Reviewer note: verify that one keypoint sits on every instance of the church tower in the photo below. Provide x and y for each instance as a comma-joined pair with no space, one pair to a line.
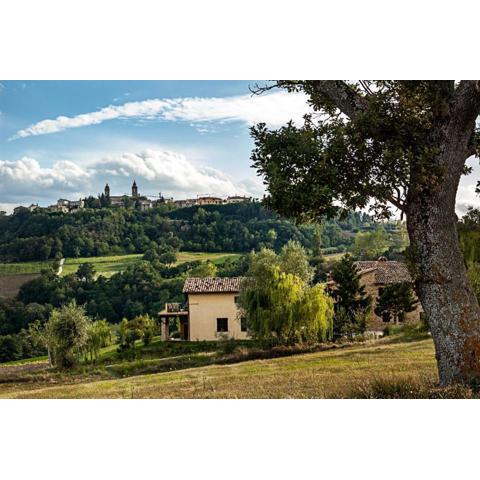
107,190
134,189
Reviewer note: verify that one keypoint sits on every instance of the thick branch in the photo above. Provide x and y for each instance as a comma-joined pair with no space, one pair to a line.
466,106
341,94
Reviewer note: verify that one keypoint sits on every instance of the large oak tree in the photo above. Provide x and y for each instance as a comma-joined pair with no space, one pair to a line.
380,144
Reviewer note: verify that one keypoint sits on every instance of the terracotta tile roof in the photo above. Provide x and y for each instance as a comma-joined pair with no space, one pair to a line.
212,285
385,271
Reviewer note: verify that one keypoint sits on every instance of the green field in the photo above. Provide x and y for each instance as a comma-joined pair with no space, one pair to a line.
21,268
197,370
106,266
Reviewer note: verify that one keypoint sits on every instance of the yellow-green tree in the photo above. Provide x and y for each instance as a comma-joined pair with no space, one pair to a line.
282,307
99,336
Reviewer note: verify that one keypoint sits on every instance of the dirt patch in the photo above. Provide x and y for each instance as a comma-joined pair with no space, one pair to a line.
10,284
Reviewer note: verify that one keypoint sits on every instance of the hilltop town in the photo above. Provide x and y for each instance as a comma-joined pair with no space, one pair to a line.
135,200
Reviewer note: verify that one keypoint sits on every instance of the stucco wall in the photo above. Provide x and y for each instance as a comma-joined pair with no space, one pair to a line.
204,310
376,323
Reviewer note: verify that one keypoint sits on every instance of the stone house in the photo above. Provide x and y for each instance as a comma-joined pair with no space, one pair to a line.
374,276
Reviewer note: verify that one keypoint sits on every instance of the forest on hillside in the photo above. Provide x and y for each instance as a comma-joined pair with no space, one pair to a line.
242,227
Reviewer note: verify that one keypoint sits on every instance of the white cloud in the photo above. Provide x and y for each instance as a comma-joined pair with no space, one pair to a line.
275,109
7,207
466,195
168,172
25,181
28,172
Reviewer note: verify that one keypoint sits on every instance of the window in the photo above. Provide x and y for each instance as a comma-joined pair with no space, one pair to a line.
235,299
243,324
222,324
401,317
386,316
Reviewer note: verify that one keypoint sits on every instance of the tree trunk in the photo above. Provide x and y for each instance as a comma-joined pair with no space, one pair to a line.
442,285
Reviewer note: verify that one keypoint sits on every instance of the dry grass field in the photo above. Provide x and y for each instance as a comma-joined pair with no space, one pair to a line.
346,372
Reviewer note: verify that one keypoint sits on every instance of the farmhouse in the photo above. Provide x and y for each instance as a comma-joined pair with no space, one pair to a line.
374,276
211,313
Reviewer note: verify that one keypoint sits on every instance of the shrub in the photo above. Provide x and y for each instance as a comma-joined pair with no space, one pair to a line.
227,346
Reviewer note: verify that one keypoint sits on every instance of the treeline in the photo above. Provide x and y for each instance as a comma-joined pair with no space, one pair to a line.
241,227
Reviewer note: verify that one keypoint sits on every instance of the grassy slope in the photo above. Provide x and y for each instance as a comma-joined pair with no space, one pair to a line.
106,266
332,373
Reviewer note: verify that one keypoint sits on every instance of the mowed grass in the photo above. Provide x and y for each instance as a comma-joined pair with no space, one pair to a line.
22,268
106,266
335,373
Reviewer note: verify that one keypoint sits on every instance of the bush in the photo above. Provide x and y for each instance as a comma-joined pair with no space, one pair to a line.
413,331
227,346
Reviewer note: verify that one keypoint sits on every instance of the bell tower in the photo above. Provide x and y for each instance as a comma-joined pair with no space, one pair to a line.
107,190
134,189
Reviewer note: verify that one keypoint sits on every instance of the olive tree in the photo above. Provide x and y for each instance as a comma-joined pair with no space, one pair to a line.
386,145
66,334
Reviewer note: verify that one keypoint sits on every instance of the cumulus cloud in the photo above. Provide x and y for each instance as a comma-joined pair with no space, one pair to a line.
25,180
168,172
275,109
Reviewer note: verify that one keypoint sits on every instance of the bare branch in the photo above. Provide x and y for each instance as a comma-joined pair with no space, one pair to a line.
259,89
342,95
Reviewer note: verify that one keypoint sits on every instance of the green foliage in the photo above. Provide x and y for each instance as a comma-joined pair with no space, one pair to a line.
351,301
66,334
18,346
204,269
395,301
98,231
294,260
99,336
474,276
86,272
140,289
370,245
373,138
280,306
141,327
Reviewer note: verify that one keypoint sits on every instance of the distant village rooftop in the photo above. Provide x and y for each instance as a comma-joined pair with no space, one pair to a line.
212,285
136,200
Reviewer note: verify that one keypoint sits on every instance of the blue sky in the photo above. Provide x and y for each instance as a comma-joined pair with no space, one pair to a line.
181,138
66,139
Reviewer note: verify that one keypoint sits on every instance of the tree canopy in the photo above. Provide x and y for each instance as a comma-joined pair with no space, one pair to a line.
281,306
